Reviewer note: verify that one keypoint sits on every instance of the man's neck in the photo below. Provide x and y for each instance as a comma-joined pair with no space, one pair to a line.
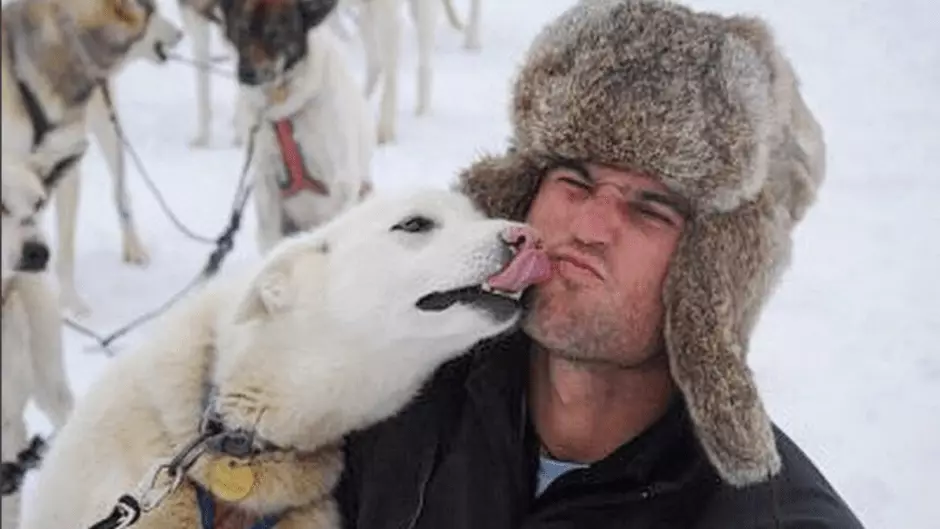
583,412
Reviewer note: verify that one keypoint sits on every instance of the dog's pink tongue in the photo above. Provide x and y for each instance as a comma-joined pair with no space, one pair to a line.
528,267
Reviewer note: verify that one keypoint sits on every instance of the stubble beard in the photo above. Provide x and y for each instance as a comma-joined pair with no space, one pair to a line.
598,332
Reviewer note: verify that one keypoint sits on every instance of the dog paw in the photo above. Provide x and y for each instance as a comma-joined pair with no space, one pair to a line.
385,136
133,252
71,302
200,141
365,191
472,44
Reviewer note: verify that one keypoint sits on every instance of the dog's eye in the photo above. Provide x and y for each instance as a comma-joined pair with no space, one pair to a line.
416,224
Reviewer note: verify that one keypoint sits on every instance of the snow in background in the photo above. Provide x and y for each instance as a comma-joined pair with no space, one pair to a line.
847,351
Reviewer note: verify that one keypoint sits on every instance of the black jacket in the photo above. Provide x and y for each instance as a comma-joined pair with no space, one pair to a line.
463,456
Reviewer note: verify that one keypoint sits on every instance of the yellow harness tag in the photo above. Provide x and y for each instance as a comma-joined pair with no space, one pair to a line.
230,479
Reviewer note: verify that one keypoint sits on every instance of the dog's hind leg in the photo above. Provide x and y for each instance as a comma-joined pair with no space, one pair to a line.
424,13
472,31
198,30
101,126
50,382
66,209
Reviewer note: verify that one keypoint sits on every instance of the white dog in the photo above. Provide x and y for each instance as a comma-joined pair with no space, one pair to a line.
32,364
57,55
336,330
380,26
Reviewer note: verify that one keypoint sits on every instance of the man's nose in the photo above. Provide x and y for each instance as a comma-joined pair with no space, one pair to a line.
595,221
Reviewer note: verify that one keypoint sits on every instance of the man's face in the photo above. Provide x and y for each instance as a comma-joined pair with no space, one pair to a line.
610,234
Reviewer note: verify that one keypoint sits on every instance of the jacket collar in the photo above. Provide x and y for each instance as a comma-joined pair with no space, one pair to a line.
664,456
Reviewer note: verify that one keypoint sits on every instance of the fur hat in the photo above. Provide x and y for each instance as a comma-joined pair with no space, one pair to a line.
709,106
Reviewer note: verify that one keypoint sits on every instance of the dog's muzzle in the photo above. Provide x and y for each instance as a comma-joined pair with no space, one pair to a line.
239,443
34,258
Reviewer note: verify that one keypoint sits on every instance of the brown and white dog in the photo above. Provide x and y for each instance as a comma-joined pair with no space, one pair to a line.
59,57
315,134
380,28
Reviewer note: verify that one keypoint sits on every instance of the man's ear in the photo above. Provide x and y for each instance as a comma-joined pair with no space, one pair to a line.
313,12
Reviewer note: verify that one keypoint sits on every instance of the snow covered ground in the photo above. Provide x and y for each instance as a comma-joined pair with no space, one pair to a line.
848,352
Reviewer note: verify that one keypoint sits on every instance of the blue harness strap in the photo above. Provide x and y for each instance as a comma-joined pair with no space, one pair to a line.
207,512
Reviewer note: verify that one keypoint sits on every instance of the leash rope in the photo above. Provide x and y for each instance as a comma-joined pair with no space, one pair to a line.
138,164
125,514
224,244
130,507
208,66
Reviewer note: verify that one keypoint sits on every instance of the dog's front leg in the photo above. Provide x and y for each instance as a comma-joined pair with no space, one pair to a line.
50,385
370,44
472,35
424,13
108,137
17,381
243,119
66,209
267,208
198,30
387,26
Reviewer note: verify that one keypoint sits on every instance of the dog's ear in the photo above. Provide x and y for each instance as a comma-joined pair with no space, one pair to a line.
268,294
313,12
274,289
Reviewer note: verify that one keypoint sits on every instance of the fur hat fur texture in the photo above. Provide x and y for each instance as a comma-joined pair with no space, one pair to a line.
708,105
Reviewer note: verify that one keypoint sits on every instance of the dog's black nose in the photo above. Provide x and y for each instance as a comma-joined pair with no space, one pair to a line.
248,74
34,258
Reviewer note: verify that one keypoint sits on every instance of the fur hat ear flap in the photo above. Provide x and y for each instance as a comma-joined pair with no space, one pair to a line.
503,186
724,269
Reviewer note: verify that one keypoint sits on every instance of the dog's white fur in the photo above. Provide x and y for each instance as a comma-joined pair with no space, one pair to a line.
30,328
323,338
17,134
334,129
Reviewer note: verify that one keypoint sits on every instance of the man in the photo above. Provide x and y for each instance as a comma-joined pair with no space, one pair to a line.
665,156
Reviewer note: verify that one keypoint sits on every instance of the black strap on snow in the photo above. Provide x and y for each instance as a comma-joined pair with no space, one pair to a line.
14,472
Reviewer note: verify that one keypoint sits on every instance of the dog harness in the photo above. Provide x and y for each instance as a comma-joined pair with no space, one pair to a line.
295,177
38,120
